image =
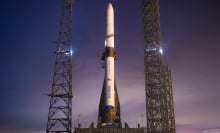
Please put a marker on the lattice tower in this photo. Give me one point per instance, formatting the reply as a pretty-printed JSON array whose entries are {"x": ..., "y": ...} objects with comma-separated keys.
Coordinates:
[
  {"x": 158, "y": 82},
  {"x": 60, "y": 109}
]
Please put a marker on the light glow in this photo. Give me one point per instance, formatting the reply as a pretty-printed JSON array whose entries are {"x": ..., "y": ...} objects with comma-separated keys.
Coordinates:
[
  {"x": 161, "y": 50},
  {"x": 155, "y": 49}
]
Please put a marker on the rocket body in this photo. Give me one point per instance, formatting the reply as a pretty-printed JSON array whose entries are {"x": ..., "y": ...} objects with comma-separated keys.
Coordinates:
[
  {"x": 109, "y": 106},
  {"x": 109, "y": 58}
]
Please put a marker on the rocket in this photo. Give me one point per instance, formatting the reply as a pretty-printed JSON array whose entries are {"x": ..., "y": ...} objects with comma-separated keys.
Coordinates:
[
  {"x": 109, "y": 107},
  {"x": 109, "y": 58}
]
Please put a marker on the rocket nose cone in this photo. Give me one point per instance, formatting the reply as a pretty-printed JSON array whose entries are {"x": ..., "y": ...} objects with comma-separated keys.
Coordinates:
[{"x": 110, "y": 6}]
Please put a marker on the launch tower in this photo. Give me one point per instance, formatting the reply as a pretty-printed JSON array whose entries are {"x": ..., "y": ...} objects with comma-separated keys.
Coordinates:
[
  {"x": 60, "y": 109},
  {"x": 158, "y": 86}
]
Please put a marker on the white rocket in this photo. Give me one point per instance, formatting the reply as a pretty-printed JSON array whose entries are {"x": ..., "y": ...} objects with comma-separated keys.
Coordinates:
[
  {"x": 109, "y": 107},
  {"x": 109, "y": 58}
]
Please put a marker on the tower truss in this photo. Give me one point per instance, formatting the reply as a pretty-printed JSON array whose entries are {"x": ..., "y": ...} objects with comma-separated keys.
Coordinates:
[
  {"x": 60, "y": 109},
  {"x": 158, "y": 82}
]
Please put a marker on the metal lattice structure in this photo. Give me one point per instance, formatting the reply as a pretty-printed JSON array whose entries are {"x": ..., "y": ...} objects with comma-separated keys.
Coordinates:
[
  {"x": 60, "y": 109},
  {"x": 158, "y": 82}
]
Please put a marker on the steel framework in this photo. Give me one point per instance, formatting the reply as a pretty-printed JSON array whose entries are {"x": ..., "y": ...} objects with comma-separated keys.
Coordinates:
[
  {"x": 158, "y": 82},
  {"x": 60, "y": 109}
]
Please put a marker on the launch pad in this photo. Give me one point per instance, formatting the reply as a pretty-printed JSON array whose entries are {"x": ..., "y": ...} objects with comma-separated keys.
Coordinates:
[
  {"x": 109, "y": 118},
  {"x": 109, "y": 130}
]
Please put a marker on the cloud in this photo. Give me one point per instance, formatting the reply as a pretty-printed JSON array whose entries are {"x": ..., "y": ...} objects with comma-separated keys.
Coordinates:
[
  {"x": 187, "y": 128},
  {"x": 212, "y": 131}
]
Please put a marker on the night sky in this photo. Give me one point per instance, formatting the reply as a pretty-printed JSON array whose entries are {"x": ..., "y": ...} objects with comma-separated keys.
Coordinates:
[{"x": 191, "y": 42}]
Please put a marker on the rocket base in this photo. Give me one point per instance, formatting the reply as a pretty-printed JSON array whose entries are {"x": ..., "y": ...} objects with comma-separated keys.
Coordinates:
[{"x": 109, "y": 117}]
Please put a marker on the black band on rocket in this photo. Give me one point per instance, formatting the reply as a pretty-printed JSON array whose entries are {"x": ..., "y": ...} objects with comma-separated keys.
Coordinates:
[{"x": 109, "y": 52}]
